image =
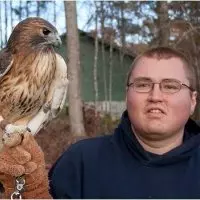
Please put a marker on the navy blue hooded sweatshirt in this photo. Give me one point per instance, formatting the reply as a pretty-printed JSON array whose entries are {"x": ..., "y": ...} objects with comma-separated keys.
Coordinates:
[{"x": 117, "y": 166}]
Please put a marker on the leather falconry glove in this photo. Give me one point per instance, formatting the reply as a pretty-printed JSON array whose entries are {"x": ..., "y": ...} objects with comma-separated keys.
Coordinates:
[{"x": 22, "y": 157}]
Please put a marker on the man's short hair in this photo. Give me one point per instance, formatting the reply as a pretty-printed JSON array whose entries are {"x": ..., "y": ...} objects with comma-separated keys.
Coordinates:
[{"x": 167, "y": 53}]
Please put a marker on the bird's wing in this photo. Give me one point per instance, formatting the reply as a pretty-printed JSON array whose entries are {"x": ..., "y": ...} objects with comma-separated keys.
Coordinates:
[
  {"x": 55, "y": 99},
  {"x": 5, "y": 61},
  {"x": 60, "y": 85}
]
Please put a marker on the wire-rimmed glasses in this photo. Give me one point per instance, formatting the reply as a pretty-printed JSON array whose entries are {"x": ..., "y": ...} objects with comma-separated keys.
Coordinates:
[{"x": 170, "y": 86}]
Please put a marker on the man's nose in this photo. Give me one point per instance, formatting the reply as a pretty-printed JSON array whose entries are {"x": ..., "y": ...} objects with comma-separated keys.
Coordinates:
[{"x": 155, "y": 94}]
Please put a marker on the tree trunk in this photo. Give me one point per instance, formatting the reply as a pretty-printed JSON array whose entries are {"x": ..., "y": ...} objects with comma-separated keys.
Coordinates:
[
  {"x": 38, "y": 9},
  {"x": 122, "y": 33},
  {"x": 163, "y": 23},
  {"x": 11, "y": 14},
  {"x": 6, "y": 20},
  {"x": 96, "y": 92},
  {"x": 20, "y": 10},
  {"x": 73, "y": 49},
  {"x": 110, "y": 74},
  {"x": 103, "y": 55},
  {"x": 111, "y": 63},
  {"x": 195, "y": 56},
  {"x": 27, "y": 8},
  {"x": 54, "y": 12},
  {"x": 1, "y": 34}
]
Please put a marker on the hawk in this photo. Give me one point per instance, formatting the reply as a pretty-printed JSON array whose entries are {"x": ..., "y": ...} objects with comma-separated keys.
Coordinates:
[{"x": 33, "y": 77}]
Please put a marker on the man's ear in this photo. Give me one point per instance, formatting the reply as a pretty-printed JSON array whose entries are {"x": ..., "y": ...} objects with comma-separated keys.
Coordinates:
[{"x": 193, "y": 101}]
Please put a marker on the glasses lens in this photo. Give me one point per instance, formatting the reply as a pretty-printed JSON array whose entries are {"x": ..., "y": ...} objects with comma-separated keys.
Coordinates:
[
  {"x": 142, "y": 85},
  {"x": 170, "y": 86}
]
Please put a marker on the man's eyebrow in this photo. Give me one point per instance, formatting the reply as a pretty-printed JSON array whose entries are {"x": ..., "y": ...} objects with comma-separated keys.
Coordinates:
[
  {"x": 143, "y": 78},
  {"x": 171, "y": 79}
]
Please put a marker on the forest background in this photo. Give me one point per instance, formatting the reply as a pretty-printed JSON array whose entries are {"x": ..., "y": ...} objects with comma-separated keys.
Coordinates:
[{"x": 116, "y": 29}]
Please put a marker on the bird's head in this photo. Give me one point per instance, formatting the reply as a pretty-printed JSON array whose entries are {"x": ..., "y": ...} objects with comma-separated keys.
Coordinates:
[{"x": 34, "y": 33}]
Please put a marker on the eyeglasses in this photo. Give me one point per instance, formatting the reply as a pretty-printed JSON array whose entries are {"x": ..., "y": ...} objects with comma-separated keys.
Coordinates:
[{"x": 170, "y": 86}]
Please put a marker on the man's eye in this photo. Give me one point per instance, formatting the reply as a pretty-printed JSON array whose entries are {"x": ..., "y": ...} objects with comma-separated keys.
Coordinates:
[
  {"x": 142, "y": 85},
  {"x": 170, "y": 86}
]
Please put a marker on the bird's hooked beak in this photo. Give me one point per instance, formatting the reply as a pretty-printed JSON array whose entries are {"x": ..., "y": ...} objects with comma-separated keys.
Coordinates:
[{"x": 55, "y": 39}]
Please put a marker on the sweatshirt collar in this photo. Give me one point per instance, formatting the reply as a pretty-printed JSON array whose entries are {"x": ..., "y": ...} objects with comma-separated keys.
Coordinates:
[{"x": 184, "y": 151}]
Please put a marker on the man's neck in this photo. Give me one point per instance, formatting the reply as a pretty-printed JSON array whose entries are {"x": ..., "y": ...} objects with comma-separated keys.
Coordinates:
[{"x": 160, "y": 146}]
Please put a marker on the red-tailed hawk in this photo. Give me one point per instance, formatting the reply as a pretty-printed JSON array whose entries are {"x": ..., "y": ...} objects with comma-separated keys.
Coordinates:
[{"x": 33, "y": 77}]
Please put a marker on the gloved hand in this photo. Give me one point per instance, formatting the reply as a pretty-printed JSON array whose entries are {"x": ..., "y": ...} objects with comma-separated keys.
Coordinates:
[{"x": 21, "y": 155}]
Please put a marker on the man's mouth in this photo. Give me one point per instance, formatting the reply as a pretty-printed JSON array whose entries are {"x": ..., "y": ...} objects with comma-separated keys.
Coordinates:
[{"x": 156, "y": 110}]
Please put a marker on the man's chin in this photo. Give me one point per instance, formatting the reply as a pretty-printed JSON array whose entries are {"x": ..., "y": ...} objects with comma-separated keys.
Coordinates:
[{"x": 156, "y": 130}]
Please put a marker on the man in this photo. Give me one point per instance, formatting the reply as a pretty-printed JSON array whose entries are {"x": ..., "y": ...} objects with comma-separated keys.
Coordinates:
[{"x": 154, "y": 152}]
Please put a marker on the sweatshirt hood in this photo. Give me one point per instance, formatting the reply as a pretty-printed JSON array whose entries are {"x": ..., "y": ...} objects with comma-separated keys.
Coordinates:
[{"x": 191, "y": 143}]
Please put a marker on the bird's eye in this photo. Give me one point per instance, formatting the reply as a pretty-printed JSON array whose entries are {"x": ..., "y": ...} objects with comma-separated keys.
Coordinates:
[{"x": 46, "y": 31}]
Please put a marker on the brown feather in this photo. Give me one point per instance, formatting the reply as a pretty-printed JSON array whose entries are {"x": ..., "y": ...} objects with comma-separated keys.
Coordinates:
[{"x": 23, "y": 90}]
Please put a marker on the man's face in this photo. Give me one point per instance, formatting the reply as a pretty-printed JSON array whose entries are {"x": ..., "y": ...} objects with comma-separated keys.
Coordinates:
[{"x": 155, "y": 114}]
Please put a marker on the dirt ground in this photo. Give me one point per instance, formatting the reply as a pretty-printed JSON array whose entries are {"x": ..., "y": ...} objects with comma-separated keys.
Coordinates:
[{"x": 56, "y": 137}]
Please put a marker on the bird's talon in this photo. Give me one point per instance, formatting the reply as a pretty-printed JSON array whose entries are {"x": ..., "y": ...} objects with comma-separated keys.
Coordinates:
[{"x": 28, "y": 129}]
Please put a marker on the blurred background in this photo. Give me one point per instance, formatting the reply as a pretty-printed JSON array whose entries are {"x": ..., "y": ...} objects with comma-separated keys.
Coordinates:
[{"x": 100, "y": 41}]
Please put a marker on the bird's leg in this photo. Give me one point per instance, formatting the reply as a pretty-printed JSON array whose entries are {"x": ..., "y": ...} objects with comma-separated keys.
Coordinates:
[
  {"x": 9, "y": 136},
  {"x": 13, "y": 134},
  {"x": 12, "y": 139},
  {"x": 11, "y": 128},
  {"x": 20, "y": 126}
]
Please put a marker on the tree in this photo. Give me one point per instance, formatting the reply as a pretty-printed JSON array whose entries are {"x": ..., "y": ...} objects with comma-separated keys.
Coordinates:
[
  {"x": 121, "y": 23},
  {"x": 1, "y": 34},
  {"x": 20, "y": 10},
  {"x": 54, "y": 12},
  {"x": 73, "y": 50},
  {"x": 102, "y": 20},
  {"x": 6, "y": 20},
  {"x": 163, "y": 23},
  {"x": 96, "y": 92},
  {"x": 111, "y": 41},
  {"x": 27, "y": 8}
]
